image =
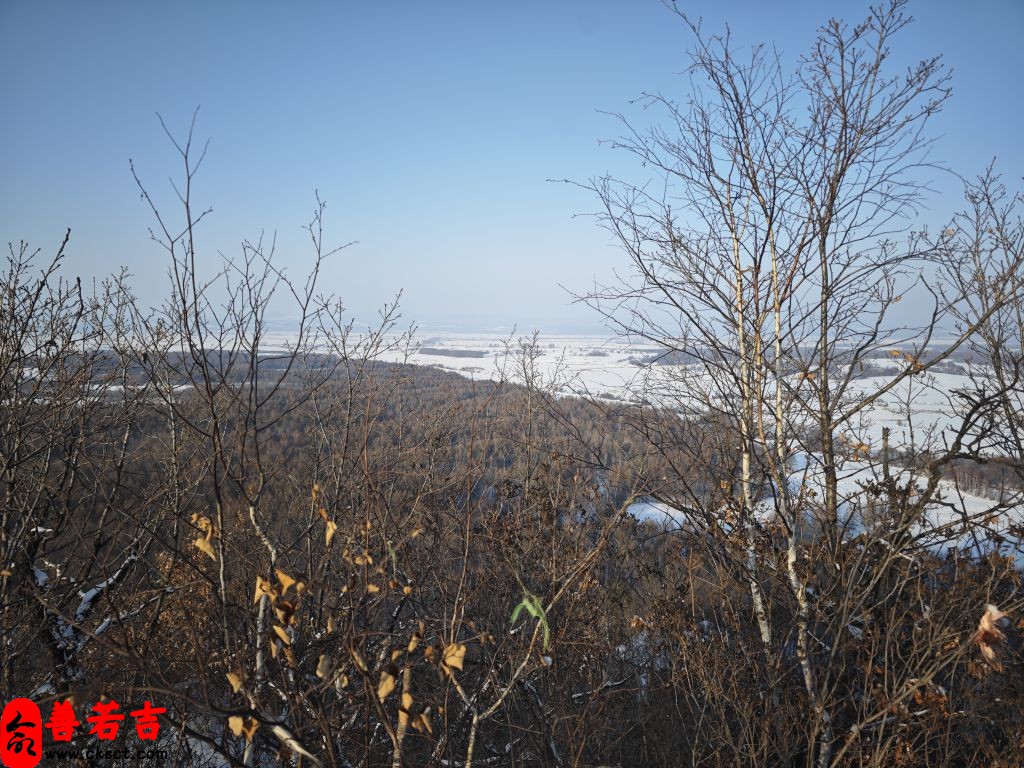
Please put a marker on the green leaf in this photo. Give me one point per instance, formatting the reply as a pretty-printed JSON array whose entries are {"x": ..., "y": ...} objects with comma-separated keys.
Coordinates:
[
  {"x": 394, "y": 558},
  {"x": 533, "y": 606}
]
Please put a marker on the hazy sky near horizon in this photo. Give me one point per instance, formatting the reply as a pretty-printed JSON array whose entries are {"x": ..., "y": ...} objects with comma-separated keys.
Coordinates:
[{"x": 431, "y": 130}]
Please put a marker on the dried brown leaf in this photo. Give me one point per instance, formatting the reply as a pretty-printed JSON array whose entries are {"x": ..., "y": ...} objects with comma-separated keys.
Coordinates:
[
  {"x": 386, "y": 685},
  {"x": 206, "y": 547},
  {"x": 454, "y": 655},
  {"x": 285, "y": 580},
  {"x": 264, "y": 589},
  {"x": 282, "y": 633},
  {"x": 324, "y": 667},
  {"x": 236, "y": 682}
]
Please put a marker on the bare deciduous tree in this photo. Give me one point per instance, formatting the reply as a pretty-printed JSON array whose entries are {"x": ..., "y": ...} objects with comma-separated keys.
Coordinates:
[{"x": 768, "y": 255}]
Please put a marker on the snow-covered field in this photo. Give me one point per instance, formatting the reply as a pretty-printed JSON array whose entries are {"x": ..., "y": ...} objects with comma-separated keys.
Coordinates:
[
  {"x": 967, "y": 524},
  {"x": 614, "y": 369},
  {"x": 917, "y": 410},
  {"x": 567, "y": 363}
]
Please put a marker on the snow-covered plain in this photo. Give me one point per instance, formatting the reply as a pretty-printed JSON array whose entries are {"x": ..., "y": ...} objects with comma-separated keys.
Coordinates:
[
  {"x": 959, "y": 522},
  {"x": 615, "y": 369},
  {"x": 569, "y": 364},
  {"x": 918, "y": 410}
]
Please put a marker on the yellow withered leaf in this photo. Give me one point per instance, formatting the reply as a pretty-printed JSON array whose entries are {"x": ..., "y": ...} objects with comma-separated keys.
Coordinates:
[
  {"x": 285, "y": 580},
  {"x": 454, "y": 655},
  {"x": 323, "y": 514},
  {"x": 372, "y": 589},
  {"x": 324, "y": 667},
  {"x": 404, "y": 708},
  {"x": 330, "y": 623},
  {"x": 264, "y": 589},
  {"x": 407, "y": 590},
  {"x": 240, "y": 726},
  {"x": 204, "y": 545},
  {"x": 413, "y": 642},
  {"x": 332, "y": 528},
  {"x": 285, "y": 612},
  {"x": 422, "y": 723},
  {"x": 203, "y": 524},
  {"x": 386, "y": 685},
  {"x": 283, "y": 634},
  {"x": 236, "y": 682}
]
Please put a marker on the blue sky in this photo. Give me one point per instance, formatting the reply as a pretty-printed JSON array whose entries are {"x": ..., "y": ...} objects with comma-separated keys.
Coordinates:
[{"x": 429, "y": 128}]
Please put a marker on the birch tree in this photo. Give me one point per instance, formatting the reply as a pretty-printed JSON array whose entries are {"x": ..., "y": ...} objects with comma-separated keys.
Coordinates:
[{"x": 769, "y": 253}]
